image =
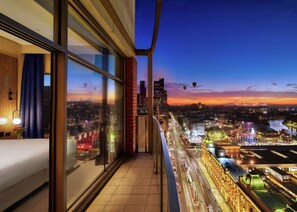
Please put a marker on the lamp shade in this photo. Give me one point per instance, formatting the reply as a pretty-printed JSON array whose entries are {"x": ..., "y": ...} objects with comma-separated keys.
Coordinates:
[
  {"x": 3, "y": 121},
  {"x": 16, "y": 121},
  {"x": 16, "y": 117}
]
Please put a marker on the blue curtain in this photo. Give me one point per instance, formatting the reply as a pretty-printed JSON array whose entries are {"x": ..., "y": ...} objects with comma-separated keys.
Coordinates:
[{"x": 32, "y": 96}]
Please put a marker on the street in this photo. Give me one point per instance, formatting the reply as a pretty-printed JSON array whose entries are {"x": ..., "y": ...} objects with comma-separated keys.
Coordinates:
[{"x": 195, "y": 192}]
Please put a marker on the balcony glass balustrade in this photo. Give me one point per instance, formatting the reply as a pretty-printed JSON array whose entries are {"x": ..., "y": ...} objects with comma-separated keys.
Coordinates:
[{"x": 168, "y": 191}]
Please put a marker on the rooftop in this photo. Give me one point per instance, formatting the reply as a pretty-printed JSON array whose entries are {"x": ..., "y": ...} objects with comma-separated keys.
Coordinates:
[
  {"x": 269, "y": 155},
  {"x": 273, "y": 200}
]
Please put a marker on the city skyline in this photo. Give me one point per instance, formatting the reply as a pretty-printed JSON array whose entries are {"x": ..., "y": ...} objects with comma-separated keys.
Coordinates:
[
  {"x": 236, "y": 51},
  {"x": 225, "y": 97}
]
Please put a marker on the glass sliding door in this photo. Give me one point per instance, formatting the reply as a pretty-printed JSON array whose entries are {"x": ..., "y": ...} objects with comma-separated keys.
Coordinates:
[
  {"x": 84, "y": 138},
  {"x": 94, "y": 105}
]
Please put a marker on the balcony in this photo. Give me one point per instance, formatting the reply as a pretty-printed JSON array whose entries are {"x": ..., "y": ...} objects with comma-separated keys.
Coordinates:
[{"x": 145, "y": 182}]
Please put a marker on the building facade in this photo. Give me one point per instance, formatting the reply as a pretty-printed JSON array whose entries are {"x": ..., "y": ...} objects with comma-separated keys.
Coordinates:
[
  {"x": 233, "y": 194},
  {"x": 160, "y": 95},
  {"x": 142, "y": 99}
]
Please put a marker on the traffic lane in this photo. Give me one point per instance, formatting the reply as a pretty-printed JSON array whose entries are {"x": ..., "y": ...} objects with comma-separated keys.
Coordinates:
[
  {"x": 182, "y": 146},
  {"x": 184, "y": 191},
  {"x": 187, "y": 187},
  {"x": 195, "y": 183},
  {"x": 205, "y": 187},
  {"x": 199, "y": 182}
]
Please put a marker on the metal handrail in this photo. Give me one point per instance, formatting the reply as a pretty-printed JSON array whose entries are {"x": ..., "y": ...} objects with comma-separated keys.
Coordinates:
[{"x": 172, "y": 190}]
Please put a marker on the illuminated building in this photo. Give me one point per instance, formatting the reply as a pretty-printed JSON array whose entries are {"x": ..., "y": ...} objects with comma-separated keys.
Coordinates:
[
  {"x": 235, "y": 197},
  {"x": 160, "y": 95},
  {"x": 232, "y": 151},
  {"x": 142, "y": 99},
  {"x": 248, "y": 183},
  {"x": 267, "y": 135},
  {"x": 198, "y": 129},
  {"x": 216, "y": 135},
  {"x": 253, "y": 182}
]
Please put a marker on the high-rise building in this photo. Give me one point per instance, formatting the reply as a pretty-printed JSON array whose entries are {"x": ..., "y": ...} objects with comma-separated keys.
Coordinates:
[
  {"x": 142, "y": 100},
  {"x": 160, "y": 95},
  {"x": 142, "y": 92}
]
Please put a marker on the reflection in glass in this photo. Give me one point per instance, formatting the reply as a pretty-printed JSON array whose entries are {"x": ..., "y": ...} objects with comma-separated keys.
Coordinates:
[
  {"x": 114, "y": 120},
  {"x": 84, "y": 104},
  {"x": 82, "y": 40},
  {"x": 115, "y": 65},
  {"x": 85, "y": 42}
]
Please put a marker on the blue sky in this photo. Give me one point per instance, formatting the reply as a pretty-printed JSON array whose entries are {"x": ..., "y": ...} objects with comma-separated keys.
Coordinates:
[{"x": 247, "y": 48}]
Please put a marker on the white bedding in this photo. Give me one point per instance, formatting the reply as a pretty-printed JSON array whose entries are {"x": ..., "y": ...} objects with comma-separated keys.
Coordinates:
[{"x": 21, "y": 158}]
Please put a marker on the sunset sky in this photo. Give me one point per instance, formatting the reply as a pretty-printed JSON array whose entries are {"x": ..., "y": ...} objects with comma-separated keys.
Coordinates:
[
  {"x": 83, "y": 84},
  {"x": 237, "y": 51},
  {"x": 86, "y": 85}
]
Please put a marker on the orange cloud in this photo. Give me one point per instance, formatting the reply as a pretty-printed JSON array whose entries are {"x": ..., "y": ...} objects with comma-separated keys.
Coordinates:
[
  {"x": 179, "y": 96},
  {"x": 89, "y": 97},
  {"x": 231, "y": 100}
]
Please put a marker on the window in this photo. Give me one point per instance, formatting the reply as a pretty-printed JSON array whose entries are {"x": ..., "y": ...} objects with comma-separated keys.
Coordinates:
[
  {"x": 46, "y": 104},
  {"x": 114, "y": 120},
  {"x": 84, "y": 135}
]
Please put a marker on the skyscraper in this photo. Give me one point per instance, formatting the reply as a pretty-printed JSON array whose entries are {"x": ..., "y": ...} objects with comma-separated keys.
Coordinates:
[
  {"x": 141, "y": 99},
  {"x": 160, "y": 95},
  {"x": 142, "y": 92}
]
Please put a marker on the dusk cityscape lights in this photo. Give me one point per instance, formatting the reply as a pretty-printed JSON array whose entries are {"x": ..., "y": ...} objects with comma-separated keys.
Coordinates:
[
  {"x": 244, "y": 155},
  {"x": 232, "y": 138}
]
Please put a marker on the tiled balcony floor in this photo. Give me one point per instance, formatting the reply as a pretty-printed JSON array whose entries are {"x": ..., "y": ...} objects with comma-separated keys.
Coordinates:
[{"x": 133, "y": 188}]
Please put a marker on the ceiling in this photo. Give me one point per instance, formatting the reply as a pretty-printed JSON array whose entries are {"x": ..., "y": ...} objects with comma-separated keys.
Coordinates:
[{"x": 32, "y": 15}]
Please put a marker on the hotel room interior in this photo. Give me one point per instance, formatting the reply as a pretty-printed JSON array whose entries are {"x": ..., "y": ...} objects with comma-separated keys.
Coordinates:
[
  {"x": 25, "y": 86},
  {"x": 24, "y": 162}
]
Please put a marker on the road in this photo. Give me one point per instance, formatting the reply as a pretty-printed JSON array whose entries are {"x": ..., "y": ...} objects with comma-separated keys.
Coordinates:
[{"x": 196, "y": 192}]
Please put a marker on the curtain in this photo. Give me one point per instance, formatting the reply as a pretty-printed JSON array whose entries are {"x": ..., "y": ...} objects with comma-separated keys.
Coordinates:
[{"x": 32, "y": 96}]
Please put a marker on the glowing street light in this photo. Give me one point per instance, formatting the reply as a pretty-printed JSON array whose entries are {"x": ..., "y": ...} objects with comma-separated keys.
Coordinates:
[{"x": 252, "y": 162}]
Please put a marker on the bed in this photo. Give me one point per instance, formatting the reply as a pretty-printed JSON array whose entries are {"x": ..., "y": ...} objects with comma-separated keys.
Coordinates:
[{"x": 23, "y": 168}]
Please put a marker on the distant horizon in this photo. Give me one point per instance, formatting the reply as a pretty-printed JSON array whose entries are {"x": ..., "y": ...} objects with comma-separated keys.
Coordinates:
[
  {"x": 232, "y": 104},
  {"x": 236, "y": 100}
]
